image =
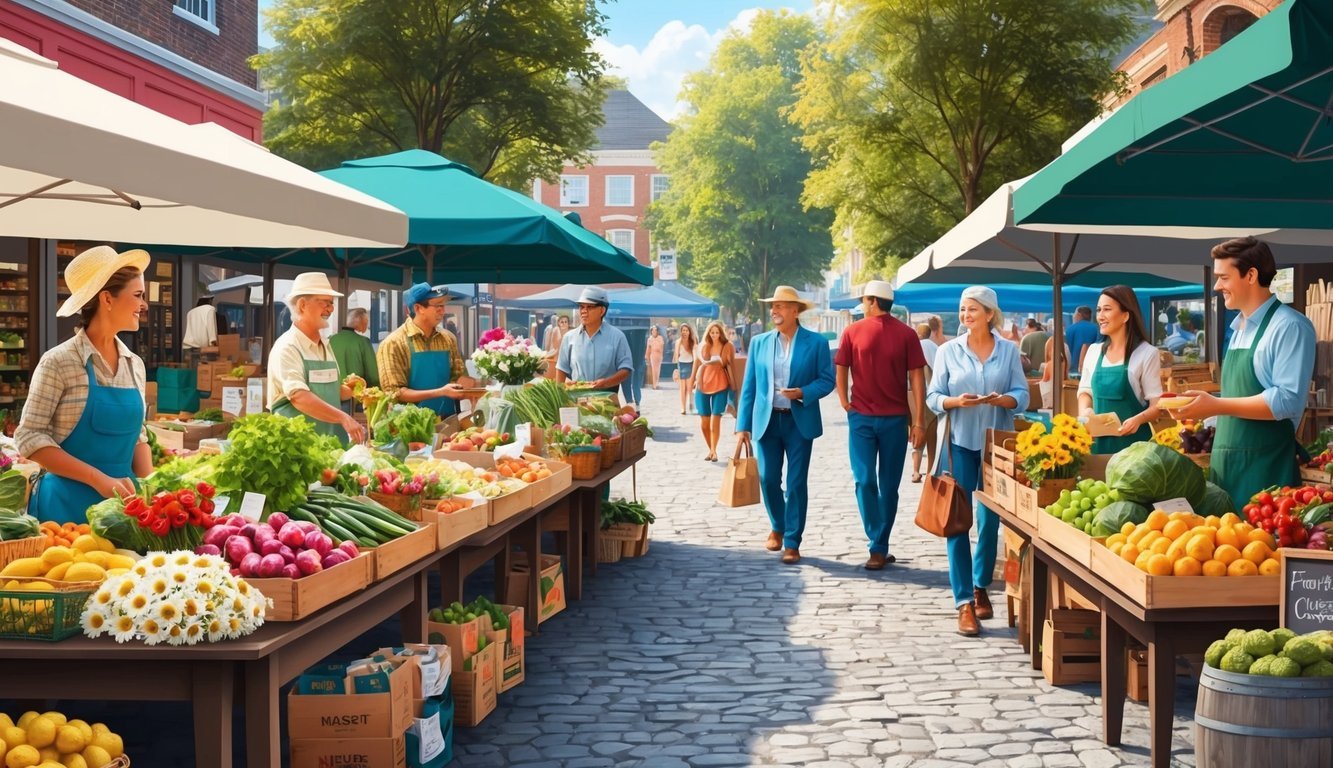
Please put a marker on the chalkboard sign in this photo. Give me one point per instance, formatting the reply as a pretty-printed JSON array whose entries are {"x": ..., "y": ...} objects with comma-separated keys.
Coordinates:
[{"x": 1307, "y": 590}]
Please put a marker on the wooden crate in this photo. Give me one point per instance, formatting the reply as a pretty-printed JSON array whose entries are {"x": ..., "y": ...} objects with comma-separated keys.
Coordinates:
[
  {"x": 453, "y": 528},
  {"x": 1062, "y": 595},
  {"x": 1136, "y": 674},
  {"x": 1030, "y": 503},
  {"x": 1004, "y": 493},
  {"x": 512, "y": 503},
  {"x": 1066, "y": 538},
  {"x": 1071, "y": 647},
  {"x": 295, "y": 599},
  {"x": 1184, "y": 591},
  {"x": 561, "y": 478},
  {"x": 1312, "y": 475},
  {"x": 402, "y": 551}
]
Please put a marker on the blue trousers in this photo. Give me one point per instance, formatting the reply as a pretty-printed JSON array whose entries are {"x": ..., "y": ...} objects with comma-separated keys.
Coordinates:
[
  {"x": 970, "y": 570},
  {"x": 786, "y": 510},
  {"x": 872, "y": 441},
  {"x": 631, "y": 389}
]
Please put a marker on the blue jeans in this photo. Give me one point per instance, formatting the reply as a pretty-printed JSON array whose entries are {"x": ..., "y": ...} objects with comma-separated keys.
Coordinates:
[
  {"x": 970, "y": 570},
  {"x": 786, "y": 511},
  {"x": 710, "y": 405},
  {"x": 632, "y": 387},
  {"x": 878, "y": 440}
]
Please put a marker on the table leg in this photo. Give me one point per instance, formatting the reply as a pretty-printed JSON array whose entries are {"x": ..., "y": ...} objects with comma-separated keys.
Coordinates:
[
  {"x": 263, "y": 729},
  {"x": 451, "y": 577},
  {"x": 1113, "y": 678},
  {"x": 1161, "y": 696},
  {"x": 592, "y": 502},
  {"x": 529, "y": 537},
  {"x": 1039, "y": 607},
  {"x": 414, "y": 615},
  {"x": 214, "y": 697},
  {"x": 575, "y": 565}
]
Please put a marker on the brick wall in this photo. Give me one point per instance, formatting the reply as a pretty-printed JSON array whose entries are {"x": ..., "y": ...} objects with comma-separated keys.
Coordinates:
[
  {"x": 599, "y": 217},
  {"x": 225, "y": 52}
]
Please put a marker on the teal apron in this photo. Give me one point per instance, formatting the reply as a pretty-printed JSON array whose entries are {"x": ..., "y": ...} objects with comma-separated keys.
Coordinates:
[
  {"x": 1111, "y": 393},
  {"x": 1250, "y": 454},
  {"x": 431, "y": 369},
  {"x": 328, "y": 391},
  {"x": 105, "y": 438}
]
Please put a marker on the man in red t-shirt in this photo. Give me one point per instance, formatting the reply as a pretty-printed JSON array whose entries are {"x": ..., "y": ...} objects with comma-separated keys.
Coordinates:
[{"x": 881, "y": 353}]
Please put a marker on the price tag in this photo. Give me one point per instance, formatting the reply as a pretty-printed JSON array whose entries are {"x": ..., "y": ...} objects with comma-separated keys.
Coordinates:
[
  {"x": 569, "y": 416},
  {"x": 233, "y": 400},
  {"x": 252, "y": 506},
  {"x": 254, "y": 396},
  {"x": 1174, "y": 505}
]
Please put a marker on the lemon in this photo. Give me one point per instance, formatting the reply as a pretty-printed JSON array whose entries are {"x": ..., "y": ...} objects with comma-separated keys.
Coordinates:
[
  {"x": 73, "y": 761},
  {"x": 70, "y": 739},
  {"x": 109, "y": 742},
  {"x": 96, "y": 757},
  {"x": 57, "y": 573},
  {"x": 56, "y": 717},
  {"x": 86, "y": 543},
  {"x": 100, "y": 728},
  {"x": 50, "y": 764},
  {"x": 22, "y": 756},
  {"x": 84, "y": 728},
  {"x": 49, "y": 754},
  {"x": 14, "y": 735},
  {"x": 41, "y": 732},
  {"x": 5, "y": 722}
]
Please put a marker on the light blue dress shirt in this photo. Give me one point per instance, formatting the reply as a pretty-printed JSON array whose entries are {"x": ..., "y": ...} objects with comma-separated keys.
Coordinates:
[
  {"x": 781, "y": 369},
  {"x": 1284, "y": 359},
  {"x": 588, "y": 358},
  {"x": 958, "y": 371}
]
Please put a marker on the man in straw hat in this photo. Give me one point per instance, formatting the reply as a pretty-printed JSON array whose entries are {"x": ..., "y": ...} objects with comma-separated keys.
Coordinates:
[
  {"x": 303, "y": 378},
  {"x": 83, "y": 421},
  {"x": 789, "y": 370},
  {"x": 420, "y": 362},
  {"x": 880, "y": 353}
]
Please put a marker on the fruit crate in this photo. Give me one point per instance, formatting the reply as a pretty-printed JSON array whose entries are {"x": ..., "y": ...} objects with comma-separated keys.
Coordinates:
[
  {"x": 1153, "y": 592},
  {"x": 1066, "y": 538},
  {"x": 46, "y": 614}
]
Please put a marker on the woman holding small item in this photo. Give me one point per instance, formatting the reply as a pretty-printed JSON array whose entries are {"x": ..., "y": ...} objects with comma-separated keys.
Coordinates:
[
  {"x": 712, "y": 379},
  {"x": 1121, "y": 375}
]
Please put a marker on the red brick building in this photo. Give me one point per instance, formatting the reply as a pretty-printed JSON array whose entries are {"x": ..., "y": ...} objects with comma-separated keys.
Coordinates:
[
  {"x": 1189, "y": 30},
  {"x": 183, "y": 58}
]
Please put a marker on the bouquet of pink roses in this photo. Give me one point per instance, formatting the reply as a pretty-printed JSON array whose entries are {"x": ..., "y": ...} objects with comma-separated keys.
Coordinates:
[{"x": 508, "y": 359}]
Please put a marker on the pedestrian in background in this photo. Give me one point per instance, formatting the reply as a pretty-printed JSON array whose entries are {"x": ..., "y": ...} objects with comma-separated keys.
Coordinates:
[
  {"x": 653, "y": 358},
  {"x": 936, "y": 329},
  {"x": 1081, "y": 334},
  {"x": 789, "y": 370},
  {"x": 1047, "y": 387},
  {"x": 712, "y": 377},
  {"x": 978, "y": 379},
  {"x": 879, "y": 355},
  {"x": 352, "y": 348},
  {"x": 555, "y": 332},
  {"x": 631, "y": 389},
  {"x": 1033, "y": 344},
  {"x": 926, "y": 417},
  {"x": 684, "y": 360}
]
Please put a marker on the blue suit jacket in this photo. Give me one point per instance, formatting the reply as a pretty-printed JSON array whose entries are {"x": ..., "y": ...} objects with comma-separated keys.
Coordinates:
[{"x": 811, "y": 370}]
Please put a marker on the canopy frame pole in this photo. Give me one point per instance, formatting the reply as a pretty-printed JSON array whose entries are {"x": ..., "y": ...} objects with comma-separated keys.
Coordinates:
[
  {"x": 267, "y": 319},
  {"x": 1210, "y": 322},
  {"x": 1023, "y": 252},
  {"x": 1058, "y": 362},
  {"x": 344, "y": 281},
  {"x": 429, "y": 252},
  {"x": 1295, "y": 158}
]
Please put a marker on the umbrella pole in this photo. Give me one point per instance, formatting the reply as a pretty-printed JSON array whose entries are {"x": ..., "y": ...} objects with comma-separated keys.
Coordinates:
[
  {"x": 1210, "y": 324},
  {"x": 266, "y": 314},
  {"x": 1057, "y": 347}
]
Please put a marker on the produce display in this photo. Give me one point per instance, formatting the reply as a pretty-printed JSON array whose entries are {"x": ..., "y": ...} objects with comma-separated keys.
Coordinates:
[
  {"x": 1184, "y": 544},
  {"x": 456, "y": 478},
  {"x": 50, "y": 739},
  {"x": 539, "y": 403},
  {"x": 1080, "y": 506},
  {"x": 625, "y": 511},
  {"x": 561, "y": 439},
  {"x": 280, "y": 547},
  {"x": 1324, "y": 460},
  {"x": 276, "y": 456},
  {"x": 346, "y": 520},
  {"x": 477, "y": 439},
  {"x": 15, "y": 525},
  {"x": 450, "y": 506},
  {"x": 55, "y": 533},
  {"x": 1293, "y": 515},
  {"x": 1280, "y": 653},
  {"x": 529, "y": 471},
  {"x": 411, "y": 424},
  {"x": 89, "y": 558},
  {"x": 170, "y": 520},
  {"x": 1146, "y": 473}
]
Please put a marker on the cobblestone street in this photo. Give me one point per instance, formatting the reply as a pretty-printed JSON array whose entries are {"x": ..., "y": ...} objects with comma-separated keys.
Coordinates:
[{"x": 710, "y": 652}]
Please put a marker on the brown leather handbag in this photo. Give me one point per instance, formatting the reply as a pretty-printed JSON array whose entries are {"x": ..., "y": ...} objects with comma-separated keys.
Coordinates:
[{"x": 945, "y": 509}]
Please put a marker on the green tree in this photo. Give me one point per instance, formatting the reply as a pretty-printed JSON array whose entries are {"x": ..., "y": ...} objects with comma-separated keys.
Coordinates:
[
  {"x": 916, "y": 110},
  {"x": 512, "y": 89},
  {"x": 736, "y": 164}
]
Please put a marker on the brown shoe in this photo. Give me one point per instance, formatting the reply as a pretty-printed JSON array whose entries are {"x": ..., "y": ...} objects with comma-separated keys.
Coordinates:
[
  {"x": 967, "y": 621},
  {"x": 791, "y": 556},
  {"x": 774, "y": 541},
  {"x": 984, "y": 610},
  {"x": 876, "y": 562}
]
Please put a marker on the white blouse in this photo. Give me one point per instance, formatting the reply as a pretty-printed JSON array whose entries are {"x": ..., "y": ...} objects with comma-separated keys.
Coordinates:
[{"x": 1145, "y": 371}]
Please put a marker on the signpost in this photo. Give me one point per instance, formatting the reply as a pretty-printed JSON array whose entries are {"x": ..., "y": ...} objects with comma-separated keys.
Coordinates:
[{"x": 666, "y": 266}]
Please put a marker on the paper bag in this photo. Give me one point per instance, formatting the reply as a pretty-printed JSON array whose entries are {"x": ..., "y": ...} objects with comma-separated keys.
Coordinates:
[
  {"x": 740, "y": 480},
  {"x": 1104, "y": 425}
]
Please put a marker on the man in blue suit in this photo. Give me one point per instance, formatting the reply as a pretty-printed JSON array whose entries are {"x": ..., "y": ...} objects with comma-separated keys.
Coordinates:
[{"x": 789, "y": 370}]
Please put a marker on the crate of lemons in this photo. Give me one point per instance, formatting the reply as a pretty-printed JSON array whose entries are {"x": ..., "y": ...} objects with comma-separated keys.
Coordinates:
[
  {"x": 1185, "y": 544},
  {"x": 42, "y": 597},
  {"x": 49, "y": 740}
]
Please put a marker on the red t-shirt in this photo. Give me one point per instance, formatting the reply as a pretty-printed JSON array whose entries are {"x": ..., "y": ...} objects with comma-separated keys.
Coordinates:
[{"x": 880, "y": 351}]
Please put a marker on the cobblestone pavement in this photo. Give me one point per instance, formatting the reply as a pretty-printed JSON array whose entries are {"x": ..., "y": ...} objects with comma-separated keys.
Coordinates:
[{"x": 710, "y": 652}]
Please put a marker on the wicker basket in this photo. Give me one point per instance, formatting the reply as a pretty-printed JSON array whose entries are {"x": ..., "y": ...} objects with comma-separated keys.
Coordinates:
[
  {"x": 609, "y": 550},
  {"x": 628, "y": 534},
  {"x": 398, "y": 503},
  {"x": 21, "y": 548},
  {"x": 584, "y": 462},
  {"x": 120, "y": 762},
  {"x": 610, "y": 451},
  {"x": 632, "y": 441},
  {"x": 46, "y": 615}
]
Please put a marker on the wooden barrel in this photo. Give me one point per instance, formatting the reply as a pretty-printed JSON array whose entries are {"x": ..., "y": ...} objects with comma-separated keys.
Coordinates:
[{"x": 1253, "y": 720}]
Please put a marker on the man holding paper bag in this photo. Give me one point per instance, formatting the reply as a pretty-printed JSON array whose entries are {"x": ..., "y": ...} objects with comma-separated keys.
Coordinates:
[{"x": 1122, "y": 376}]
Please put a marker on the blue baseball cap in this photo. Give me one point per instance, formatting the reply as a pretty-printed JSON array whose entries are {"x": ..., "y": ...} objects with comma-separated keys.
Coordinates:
[{"x": 422, "y": 293}]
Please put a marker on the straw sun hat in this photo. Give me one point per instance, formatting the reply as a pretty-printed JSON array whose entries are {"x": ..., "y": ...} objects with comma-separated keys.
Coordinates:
[
  {"x": 311, "y": 284},
  {"x": 788, "y": 293},
  {"x": 88, "y": 273}
]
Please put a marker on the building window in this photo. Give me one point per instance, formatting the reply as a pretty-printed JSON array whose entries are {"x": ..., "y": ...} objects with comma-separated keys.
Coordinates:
[
  {"x": 537, "y": 190},
  {"x": 659, "y": 186},
  {"x": 622, "y": 239},
  {"x": 1154, "y": 78},
  {"x": 620, "y": 190},
  {"x": 202, "y": 12},
  {"x": 573, "y": 191}
]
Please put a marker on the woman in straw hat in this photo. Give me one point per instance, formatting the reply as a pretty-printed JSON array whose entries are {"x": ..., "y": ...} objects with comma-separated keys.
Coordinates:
[
  {"x": 84, "y": 418},
  {"x": 303, "y": 378},
  {"x": 978, "y": 378}
]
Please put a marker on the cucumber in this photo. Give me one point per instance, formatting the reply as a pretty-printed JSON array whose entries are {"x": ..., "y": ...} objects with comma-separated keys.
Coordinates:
[
  {"x": 387, "y": 517},
  {"x": 352, "y": 524},
  {"x": 336, "y": 531},
  {"x": 376, "y": 523},
  {"x": 303, "y": 514}
]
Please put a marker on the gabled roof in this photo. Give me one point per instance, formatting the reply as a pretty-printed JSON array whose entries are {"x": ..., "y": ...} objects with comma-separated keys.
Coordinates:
[{"x": 628, "y": 123}]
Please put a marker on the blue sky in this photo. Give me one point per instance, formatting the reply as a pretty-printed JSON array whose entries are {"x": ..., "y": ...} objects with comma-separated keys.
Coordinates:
[{"x": 654, "y": 43}]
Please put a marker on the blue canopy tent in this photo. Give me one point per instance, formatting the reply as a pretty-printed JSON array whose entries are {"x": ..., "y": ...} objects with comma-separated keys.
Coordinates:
[{"x": 653, "y": 301}]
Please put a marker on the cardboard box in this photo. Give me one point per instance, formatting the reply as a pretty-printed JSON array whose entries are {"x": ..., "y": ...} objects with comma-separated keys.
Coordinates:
[
  {"x": 1071, "y": 647},
  {"x": 462, "y": 639},
  {"x": 510, "y": 654},
  {"x": 1014, "y": 546},
  {"x": 354, "y": 715},
  {"x": 350, "y": 753},
  {"x": 229, "y": 347},
  {"x": 550, "y": 586},
  {"x": 186, "y": 437},
  {"x": 474, "y": 690},
  {"x": 295, "y": 599}
]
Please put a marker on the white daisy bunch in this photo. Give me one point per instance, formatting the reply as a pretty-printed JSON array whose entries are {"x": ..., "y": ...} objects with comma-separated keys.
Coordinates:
[
  {"x": 508, "y": 359},
  {"x": 178, "y": 598}
]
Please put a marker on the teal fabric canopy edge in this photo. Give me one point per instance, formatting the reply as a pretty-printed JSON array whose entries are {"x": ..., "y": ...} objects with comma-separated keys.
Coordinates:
[{"x": 1081, "y": 185}]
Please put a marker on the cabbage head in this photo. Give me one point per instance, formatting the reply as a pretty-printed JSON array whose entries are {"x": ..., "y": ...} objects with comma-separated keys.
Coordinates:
[
  {"x": 1112, "y": 517},
  {"x": 1215, "y": 502},
  {"x": 1147, "y": 473}
]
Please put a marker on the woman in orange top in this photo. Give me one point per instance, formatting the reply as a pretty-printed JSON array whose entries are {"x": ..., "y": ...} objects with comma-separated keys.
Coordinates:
[
  {"x": 712, "y": 378},
  {"x": 656, "y": 348}
]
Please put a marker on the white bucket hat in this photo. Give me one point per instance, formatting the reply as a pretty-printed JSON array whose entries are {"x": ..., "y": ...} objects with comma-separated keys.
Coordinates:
[
  {"x": 311, "y": 284},
  {"x": 87, "y": 274},
  {"x": 880, "y": 289}
]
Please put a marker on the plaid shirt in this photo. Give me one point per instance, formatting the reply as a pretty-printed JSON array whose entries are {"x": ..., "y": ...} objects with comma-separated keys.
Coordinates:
[
  {"x": 395, "y": 354},
  {"x": 60, "y": 389}
]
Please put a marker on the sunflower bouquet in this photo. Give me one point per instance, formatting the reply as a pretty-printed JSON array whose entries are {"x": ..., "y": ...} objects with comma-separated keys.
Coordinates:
[{"x": 1057, "y": 454}]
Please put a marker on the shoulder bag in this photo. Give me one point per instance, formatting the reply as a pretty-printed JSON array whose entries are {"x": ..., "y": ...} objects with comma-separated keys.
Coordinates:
[{"x": 945, "y": 509}]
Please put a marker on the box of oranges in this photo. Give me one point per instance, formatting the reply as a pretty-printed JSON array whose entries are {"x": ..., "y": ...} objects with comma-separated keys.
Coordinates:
[{"x": 1182, "y": 560}]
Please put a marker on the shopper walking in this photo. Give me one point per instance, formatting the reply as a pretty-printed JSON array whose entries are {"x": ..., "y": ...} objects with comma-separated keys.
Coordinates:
[
  {"x": 925, "y": 417},
  {"x": 877, "y": 356},
  {"x": 712, "y": 377},
  {"x": 789, "y": 370},
  {"x": 653, "y": 358},
  {"x": 979, "y": 380},
  {"x": 684, "y": 359},
  {"x": 555, "y": 333}
]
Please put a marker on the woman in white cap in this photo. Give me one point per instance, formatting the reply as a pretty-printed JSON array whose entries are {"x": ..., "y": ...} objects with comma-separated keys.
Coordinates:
[
  {"x": 978, "y": 378},
  {"x": 84, "y": 418},
  {"x": 303, "y": 377}
]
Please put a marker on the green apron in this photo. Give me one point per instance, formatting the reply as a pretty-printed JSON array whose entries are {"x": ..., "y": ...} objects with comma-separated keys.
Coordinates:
[
  {"x": 328, "y": 391},
  {"x": 1111, "y": 393},
  {"x": 1250, "y": 454}
]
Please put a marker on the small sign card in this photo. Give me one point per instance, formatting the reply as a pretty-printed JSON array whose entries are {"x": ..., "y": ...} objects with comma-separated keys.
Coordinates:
[
  {"x": 254, "y": 396},
  {"x": 1307, "y": 590},
  {"x": 233, "y": 400}
]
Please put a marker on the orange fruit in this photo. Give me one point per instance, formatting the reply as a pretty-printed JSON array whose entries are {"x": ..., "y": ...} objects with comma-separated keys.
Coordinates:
[
  {"x": 1242, "y": 567},
  {"x": 1177, "y": 549},
  {"x": 1259, "y": 534},
  {"x": 1186, "y": 566},
  {"x": 1128, "y": 528},
  {"x": 1174, "y": 528},
  {"x": 1160, "y": 545},
  {"x": 1214, "y": 568},
  {"x": 1227, "y": 535},
  {"x": 1243, "y": 530},
  {"x": 1129, "y": 552},
  {"x": 1200, "y": 548},
  {"x": 1149, "y": 538},
  {"x": 1137, "y": 535},
  {"x": 1157, "y": 520},
  {"x": 1115, "y": 547},
  {"x": 1159, "y": 565},
  {"x": 1115, "y": 538},
  {"x": 1226, "y": 554},
  {"x": 1207, "y": 530},
  {"x": 1256, "y": 552},
  {"x": 1213, "y": 520},
  {"x": 1270, "y": 567},
  {"x": 1230, "y": 518},
  {"x": 1141, "y": 562}
]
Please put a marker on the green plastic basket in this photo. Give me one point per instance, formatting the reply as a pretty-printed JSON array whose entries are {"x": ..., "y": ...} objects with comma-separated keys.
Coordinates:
[{"x": 50, "y": 615}]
